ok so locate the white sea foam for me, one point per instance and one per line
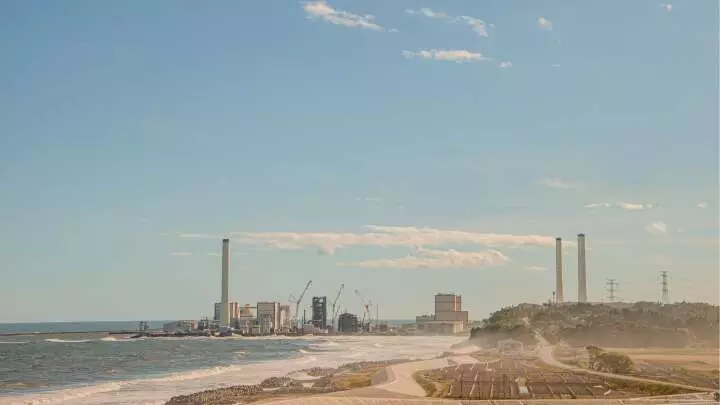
(6, 342)
(155, 391)
(68, 340)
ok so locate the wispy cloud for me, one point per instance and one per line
(657, 228)
(535, 268)
(667, 7)
(458, 56)
(369, 199)
(702, 205)
(555, 65)
(544, 23)
(321, 10)
(385, 236)
(624, 205)
(436, 259)
(214, 254)
(505, 64)
(180, 254)
(557, 183)
(475, 24)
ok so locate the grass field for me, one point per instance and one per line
(689, 359)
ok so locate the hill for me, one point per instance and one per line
(640, 324)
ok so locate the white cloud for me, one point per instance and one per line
(633, 206)
(436, 259)
(427, 13)
(386, 236)
(214, 254)
(475, 24)
(458, 56)
(667, 7)
(505, 64)
(320, 9)
(702, 205)
(369, 199)
(598, 205)
(535, 268)
(555, 65)
(180, 254)
(624, 205)
(544, 23)
(657, 228)
(557, 183)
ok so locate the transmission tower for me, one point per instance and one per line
(664, 275)
(611, 283)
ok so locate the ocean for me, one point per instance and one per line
(87, 368)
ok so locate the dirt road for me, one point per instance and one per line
(545, 351)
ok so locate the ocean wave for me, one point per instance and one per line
(6, 342)
(158, 389)
(68, 340)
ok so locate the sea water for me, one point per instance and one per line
(97, 369)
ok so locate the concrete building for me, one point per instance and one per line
(268, 316)
(347, 323)
(449, 318)
(582, 271)
(319, 312)
(225, 284)
(245, 321)
(559, 294)
(285, 318)
(233, 311)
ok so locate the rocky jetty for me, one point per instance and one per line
(221, 396)
(319, 371)
(276, 382)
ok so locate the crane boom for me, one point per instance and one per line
(298, 301)
(334, 305)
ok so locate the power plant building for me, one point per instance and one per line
(319, 312)
(449, 318)
(268, 316)
(347, 323)
(233, 311)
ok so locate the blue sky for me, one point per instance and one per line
(402, 148)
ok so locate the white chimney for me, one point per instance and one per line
(582, 271)
(558, 271)
(225, 292)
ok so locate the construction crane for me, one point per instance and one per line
(366, 309)
(297, 302)
(335, 308)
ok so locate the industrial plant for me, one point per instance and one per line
(325, 317)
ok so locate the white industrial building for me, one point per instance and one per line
(268, 316)
(448, 319)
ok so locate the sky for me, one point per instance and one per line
(403, 148)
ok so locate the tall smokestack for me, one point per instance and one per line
(225, 293)
(582, 271)
(558, 271)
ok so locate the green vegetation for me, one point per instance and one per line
(640, 324)
(427, 385)
(644, 388)
(611, 362)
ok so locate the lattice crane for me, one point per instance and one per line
(297, 302)
(335, 308)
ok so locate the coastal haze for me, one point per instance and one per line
(335, 202)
